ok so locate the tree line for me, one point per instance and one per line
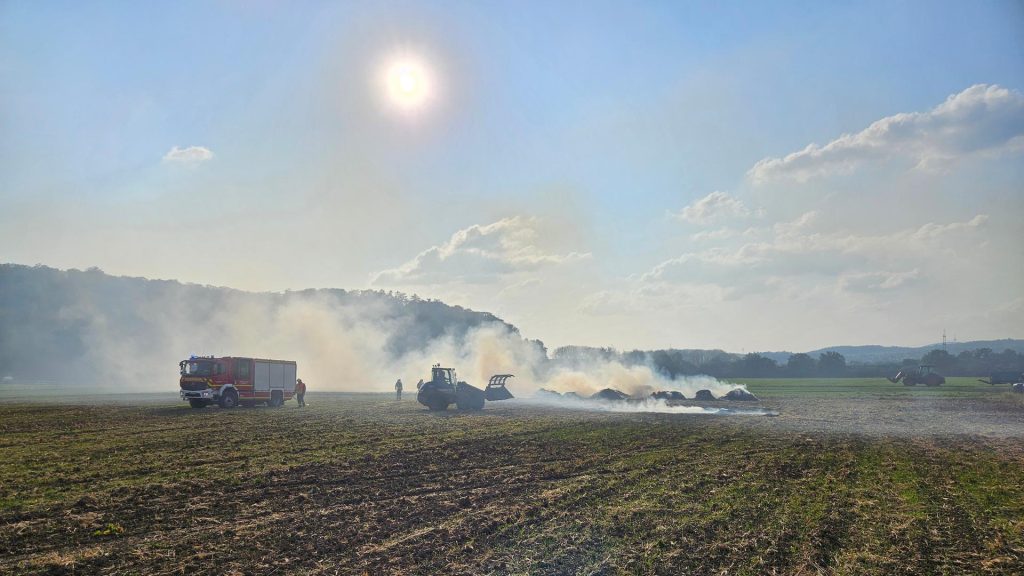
(677, 363)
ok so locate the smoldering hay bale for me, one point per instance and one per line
(668, 395)
(610, 395)
(740, 395)
(704, 396)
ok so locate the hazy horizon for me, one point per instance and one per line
(952, 338)
(711, 175)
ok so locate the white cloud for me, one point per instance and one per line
(713, 207)
(874, 281)
(792, 248)
(982, 118)
(190, 155)
(479, 253)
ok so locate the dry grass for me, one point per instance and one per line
(361, 484)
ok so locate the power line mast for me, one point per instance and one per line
(943, 339)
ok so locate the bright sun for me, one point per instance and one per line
(408, 84)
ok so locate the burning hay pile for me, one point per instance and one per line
(704, 396)
(610, 395)
(659, 401)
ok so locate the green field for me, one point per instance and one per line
(955, 387)
(852, 477)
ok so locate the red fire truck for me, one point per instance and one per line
(230, 380)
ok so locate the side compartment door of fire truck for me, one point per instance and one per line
(288, 380)
(243, 377)
(277, 376)
(261, 382)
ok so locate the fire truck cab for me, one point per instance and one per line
(229, 381)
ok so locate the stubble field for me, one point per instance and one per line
(852, 477)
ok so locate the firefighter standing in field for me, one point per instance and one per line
(398, 389)
(300, 392)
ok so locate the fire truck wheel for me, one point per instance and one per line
(276, 400)
(195, 403)
(229, 399)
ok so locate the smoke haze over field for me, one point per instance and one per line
(92, 329)
(107, 333)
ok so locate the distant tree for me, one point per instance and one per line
(757, 366)
(672, 364)
(800, 365)
(832, 364)
(1008, 360)
(719, 366)
(539, 344)
(634, 357)
(939, 358)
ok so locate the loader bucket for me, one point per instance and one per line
(469, 397)
(496, 388)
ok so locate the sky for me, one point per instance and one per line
(745, 176)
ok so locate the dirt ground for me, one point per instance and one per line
(362, 484)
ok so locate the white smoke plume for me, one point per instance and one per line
(338, 347)
(638, 406)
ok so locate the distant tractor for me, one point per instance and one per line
(444, 389)
(1008, 377)
(923, 375)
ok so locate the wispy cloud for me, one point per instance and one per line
(478, 253)
(713, 207)
(794, 249)
(982, 118)
(189, 155)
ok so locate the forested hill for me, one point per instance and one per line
(78, 326)
(882, 354)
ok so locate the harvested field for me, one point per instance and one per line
(850, 478)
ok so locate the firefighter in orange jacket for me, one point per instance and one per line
(300, 392)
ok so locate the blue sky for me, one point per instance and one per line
(568, 137)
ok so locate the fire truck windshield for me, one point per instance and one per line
(196, 368)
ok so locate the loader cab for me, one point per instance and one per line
(924, 369)
(443, 376)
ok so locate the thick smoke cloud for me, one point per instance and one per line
(105, 333)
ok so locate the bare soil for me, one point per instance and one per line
(363, 484)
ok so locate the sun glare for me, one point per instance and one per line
(408, 84)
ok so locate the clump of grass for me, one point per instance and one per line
(110, 529)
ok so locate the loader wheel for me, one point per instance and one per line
(276, 399)
(228, 399)
(437, 406)
(196, 403)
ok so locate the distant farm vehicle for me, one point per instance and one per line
(1005, 377)
(923, 375)
(230, 381)
(445, 389)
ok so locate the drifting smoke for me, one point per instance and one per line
(110, 333)
(637, 381)
(637, 406)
